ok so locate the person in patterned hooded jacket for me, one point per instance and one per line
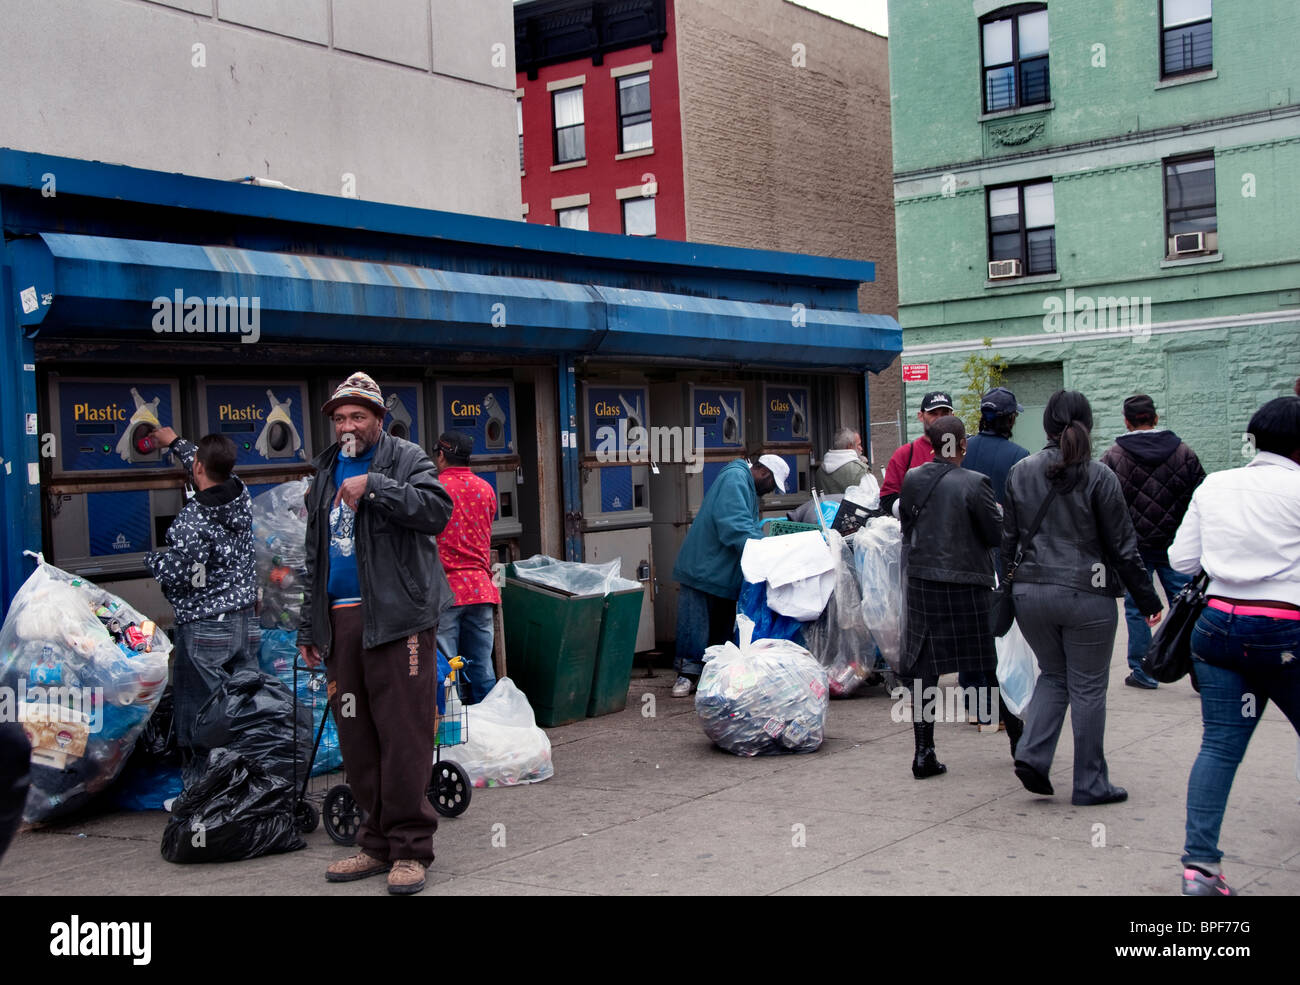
(208, 573)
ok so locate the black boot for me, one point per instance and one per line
(925, 763)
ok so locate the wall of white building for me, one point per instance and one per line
(413, 99)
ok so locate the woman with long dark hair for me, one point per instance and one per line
(1065, 586)
(1243, 530)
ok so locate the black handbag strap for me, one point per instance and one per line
(916, 510)
(1033, 529)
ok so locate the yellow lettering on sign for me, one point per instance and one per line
(110, 412)
(229, 412)
(708, 410)
(461, 409)
(779, 405)
(606, 410)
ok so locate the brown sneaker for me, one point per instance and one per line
(406, 877)
(359, 866)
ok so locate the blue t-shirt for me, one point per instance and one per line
(344, 584)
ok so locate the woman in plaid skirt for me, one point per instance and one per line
(951, 523)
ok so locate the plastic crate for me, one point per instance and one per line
(778, 527)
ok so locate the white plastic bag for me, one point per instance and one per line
(865, 493)
(765, 696)
(82, 697)
(877, 554)
(504, 746)
(1017, 670)
(840, 640)
(574, 577)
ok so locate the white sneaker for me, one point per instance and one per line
(167, 804)
(683, 688)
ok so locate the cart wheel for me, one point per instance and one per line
(306, 817)
(449, 789)
(342, 815)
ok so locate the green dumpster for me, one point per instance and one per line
(617, 645)
(552, 638)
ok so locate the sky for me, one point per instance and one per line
(864, 13)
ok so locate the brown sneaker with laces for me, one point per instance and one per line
(406, 877)
(359, 866)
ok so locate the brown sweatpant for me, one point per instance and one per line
(383, 701)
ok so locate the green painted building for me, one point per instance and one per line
(1110, 191)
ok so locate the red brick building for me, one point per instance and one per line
(601, 144)
(753, 123)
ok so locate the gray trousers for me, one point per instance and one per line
(1072, 634)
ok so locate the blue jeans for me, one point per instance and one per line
(703, 620)
(1139, 633)
(1235, 657)
(466, 631)
(206, 653)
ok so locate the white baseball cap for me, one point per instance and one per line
(776, 465)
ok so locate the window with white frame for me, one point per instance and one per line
(570, 131)
(1022, 226)
(574, 218)
(639, 216)
(1014, 44)
(634, 113)
(1186, 37)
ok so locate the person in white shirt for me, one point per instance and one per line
(1243, 529)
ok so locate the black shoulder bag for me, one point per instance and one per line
(1003, 612)
(1169, 658)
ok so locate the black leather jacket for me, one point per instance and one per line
(403, 586)
(959, 524)
(1086, 540)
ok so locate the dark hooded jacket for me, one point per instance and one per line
(208, 566)
(1158, 474)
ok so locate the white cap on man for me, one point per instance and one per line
(779, 469)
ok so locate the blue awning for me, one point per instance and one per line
(138, 291)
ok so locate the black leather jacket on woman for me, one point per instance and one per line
(1086, 540)
(952, 538)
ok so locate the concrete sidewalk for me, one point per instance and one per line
(644, 804)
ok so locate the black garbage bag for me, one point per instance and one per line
(237, 810)
(157, 743)
(253, 713)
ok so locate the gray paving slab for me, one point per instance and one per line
(948, 859)
(643, 803)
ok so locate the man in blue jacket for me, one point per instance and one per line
(708, 566)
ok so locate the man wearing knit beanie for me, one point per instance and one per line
(374, 592)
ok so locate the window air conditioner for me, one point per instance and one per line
(1189, 243)
(1001, 269)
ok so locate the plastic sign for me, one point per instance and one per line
(916, 372)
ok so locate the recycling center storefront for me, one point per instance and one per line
(605, 380)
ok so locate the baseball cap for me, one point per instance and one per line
(934, 400)
(1139, 407)
(456, 444)
(1000, 401)
(776, 465)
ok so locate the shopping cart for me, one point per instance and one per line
(449, 786)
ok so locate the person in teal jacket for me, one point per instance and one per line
(708, 565)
